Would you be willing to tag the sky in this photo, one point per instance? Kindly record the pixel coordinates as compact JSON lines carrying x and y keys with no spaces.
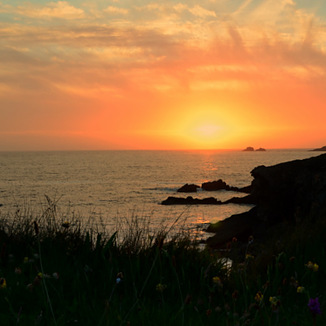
{"x":136,"y":74}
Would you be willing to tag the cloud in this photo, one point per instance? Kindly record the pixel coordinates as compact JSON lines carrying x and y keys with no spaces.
{"x":172,"y":51}
{"x":60,"y":9}
{"x":116,"y":10}
{"x":202,"y":12}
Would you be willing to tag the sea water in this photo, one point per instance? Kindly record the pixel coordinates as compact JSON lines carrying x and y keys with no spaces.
{"x":117,"y":185}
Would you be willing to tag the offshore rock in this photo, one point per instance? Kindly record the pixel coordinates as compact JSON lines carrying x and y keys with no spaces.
{"x":217,"y":185}
{"x":190,"y":201}
{"x":287,"y":193}
{"x":247,"y":200}
{"x":188,"y":188}
{"x":249,"y":149}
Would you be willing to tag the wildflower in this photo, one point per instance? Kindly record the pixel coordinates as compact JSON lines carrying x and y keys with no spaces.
{"x":216,"y":280}
{"x":208,"y":312}
{"x":160,"y":287}
{"x":119,"y":278}
{"x":300,"y":289}
{"x":249,"y":257}
{"x":3,"y":283}
{"x":30,"y":287}
{"x":234,"y":239}
{"x":18,"y":270}
{"x":37,"y":279}
{"x":259,"y":297}
{"x":313,"y":266}
{"x":314,"y":306}
{"x":65,"y":224}
{"x":275,"y":303}
{"x":250,"y":240}
{"x":26,"y":260}
{"x":55,"y":275}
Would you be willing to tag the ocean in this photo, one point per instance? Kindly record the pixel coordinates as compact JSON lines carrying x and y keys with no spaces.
{"x":119,"y":185}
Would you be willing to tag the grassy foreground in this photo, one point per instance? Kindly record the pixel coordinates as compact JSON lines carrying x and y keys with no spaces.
{"x":56,"y":271}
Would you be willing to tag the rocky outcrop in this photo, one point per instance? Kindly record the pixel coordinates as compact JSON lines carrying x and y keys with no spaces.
{"x":213,"y":186}
{"x":190,"y":201}
{"x":252,"y":149}
{"x":290,"y":193}
{"x":188,"y":188}
{"x":247,"y":200}
{"x":249,"y":149}
{"x":217,"y":185}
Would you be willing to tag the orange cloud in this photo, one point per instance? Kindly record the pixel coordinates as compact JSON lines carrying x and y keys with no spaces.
{"x":60,"y":9}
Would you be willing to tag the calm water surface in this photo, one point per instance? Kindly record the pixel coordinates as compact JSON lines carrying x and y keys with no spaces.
{"x":118,"y":184}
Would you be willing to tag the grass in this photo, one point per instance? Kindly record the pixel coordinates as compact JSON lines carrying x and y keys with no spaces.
{"x":58,"y":271}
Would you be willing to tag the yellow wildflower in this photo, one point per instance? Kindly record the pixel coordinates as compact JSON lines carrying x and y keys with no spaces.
{"x":259,"y":297}
{"x":65,"y":224}
{"x":3,"y":283}
{"x":160,"y":287}
{"x":275,"y":303}
{"x":313,"y":266}
{"x":249,"y":257}
{"x":217,"y":280}
{"x":26,"y":260}
{"x":300,"y":289}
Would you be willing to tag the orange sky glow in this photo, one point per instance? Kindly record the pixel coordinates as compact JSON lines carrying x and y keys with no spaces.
{"x":123,"y":74}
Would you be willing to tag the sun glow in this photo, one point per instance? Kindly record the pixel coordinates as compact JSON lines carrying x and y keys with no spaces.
{"x":204,"y":135}
{"x":207,"y":130}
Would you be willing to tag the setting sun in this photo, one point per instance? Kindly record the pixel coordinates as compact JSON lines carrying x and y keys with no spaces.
{"x":207,"y":130}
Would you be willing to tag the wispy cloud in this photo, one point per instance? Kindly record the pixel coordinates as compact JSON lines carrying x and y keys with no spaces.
{"x":116,"y":10}
{"x":60,"y":9}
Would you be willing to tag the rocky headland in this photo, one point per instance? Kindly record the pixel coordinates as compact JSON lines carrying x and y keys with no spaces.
{"x":288,"y":194}
{"x":321,"y":149}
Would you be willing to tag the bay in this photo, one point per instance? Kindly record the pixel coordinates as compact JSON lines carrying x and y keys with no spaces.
{"x":117,"y":185}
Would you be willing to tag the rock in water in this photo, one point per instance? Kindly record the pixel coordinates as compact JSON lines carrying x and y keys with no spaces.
{"x":190,"y":201}
{"x":217,"y":185}
{"x":188,"y":188}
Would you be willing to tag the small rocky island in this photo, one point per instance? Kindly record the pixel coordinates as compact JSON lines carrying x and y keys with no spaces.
{"x":252,"y":149}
